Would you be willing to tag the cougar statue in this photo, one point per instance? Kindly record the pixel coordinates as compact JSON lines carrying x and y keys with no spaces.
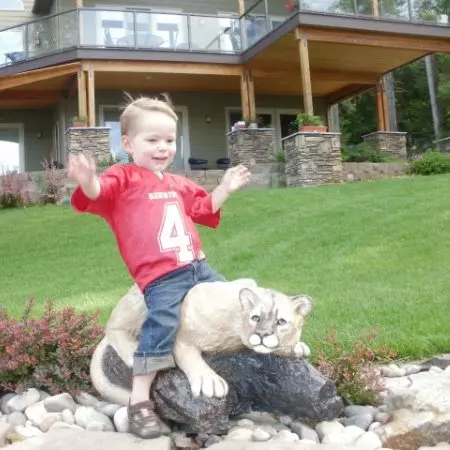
{"x":216,"y":318}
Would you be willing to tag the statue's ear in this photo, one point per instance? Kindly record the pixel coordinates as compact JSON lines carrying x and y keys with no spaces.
{"x":303,"y":304}
{"x":247,"y":298}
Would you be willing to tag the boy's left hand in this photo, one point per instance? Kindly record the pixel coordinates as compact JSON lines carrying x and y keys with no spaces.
{"x":235,"y":178}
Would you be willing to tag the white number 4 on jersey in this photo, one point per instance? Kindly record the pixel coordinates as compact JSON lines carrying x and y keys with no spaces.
{"x":173,"y":235}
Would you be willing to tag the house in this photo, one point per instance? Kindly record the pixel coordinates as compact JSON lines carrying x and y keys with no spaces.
{"x":220,"y":61}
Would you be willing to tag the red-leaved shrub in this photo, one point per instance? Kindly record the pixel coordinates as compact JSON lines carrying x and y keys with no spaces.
{"x":51,"y":182}
{"x":12,"y":193}
{"x":51,"y":353}
{"x":354,"y":370}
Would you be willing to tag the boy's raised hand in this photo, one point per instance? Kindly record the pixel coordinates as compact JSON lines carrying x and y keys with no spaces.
{"x":81,"y":169}
{"x":235,"y":178}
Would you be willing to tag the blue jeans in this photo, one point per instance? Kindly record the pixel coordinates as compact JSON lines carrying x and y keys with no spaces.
{"x":164,"y":298}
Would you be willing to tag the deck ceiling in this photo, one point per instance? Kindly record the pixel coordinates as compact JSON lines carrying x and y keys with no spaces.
{"x":150,"y":81}
{"x":35,"y":95}
{"x":335,"y":66}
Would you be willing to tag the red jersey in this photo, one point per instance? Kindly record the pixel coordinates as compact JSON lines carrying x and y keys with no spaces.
{"x":152,"y":219}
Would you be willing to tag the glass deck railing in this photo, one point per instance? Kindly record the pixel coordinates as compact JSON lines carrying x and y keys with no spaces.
{"x":164,"y":31}
{"x":424,"y":11}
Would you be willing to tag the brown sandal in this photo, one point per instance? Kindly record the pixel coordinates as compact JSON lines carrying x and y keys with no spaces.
{"x":144,"y":422}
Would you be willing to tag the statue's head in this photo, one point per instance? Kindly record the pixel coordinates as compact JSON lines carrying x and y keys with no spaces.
{"x":270,"y":319}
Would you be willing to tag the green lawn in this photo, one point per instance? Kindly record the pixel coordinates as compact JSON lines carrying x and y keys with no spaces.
{"x":369,"y":253}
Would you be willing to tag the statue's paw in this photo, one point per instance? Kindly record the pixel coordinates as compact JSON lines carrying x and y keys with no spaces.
{"x":208,"y":384}
{"x":301,"y":350}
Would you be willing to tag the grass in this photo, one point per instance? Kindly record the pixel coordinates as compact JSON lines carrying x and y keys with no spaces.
{"x":369,"y":253}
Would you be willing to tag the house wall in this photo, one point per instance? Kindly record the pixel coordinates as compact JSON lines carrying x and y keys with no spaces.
{"x":9,"y":18}
{"x":36,"y":123}
{"x":207,"y":140}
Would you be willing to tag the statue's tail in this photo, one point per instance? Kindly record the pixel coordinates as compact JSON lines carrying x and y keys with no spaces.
{"x":108,"y":391}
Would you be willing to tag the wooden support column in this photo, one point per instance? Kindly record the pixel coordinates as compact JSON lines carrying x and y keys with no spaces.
{"x":91,"y":96}
{"x":306,"y":72}
{"x":382,"y":102}
{"x":82,"y":104}
{"x":251,"y":95}
{"x":248,"y":95}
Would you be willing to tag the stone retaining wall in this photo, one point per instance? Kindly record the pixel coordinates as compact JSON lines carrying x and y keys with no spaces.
{"x":366,"y":171}
{"x":271,"y":175}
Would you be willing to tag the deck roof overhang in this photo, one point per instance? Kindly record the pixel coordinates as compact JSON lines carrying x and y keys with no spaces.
{"x":347,"y":56}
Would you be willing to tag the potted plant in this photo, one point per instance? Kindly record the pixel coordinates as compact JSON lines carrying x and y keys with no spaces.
{"x":310,"y":124}
{"x":80,"y":121}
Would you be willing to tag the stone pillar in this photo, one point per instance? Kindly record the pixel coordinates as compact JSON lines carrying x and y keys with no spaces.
{"x":392,"y":143}
{"x":255,"y":148}
{"x":313,"y":159}
{"x":91,"y":141}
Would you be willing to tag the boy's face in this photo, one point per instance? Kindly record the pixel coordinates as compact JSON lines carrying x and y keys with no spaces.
{"x":152,"y":141}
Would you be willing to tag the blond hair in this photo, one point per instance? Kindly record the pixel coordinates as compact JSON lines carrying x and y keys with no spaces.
{"x":136,"y":107}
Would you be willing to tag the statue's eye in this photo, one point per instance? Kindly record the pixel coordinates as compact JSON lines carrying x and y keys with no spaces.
{"x":255,"y":318}
{"x":281,"y":322}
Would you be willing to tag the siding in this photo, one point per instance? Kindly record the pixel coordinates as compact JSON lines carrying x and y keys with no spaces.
{"x":11,"y":18}
{"x":34,"y":121}
{"x":207,"y":140}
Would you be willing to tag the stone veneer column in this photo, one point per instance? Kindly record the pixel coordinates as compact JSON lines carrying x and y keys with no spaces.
{"x":389,"y":142}
{"x":313,"y":159}
{"x":93,"y":141}
{"x":255,"y":148}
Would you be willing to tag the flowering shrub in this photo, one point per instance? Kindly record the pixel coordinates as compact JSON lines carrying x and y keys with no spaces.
{"x":354,"y":371}
{"x":51,"y":183}
{"x":52,"y":353}
{"x":12,"y":193}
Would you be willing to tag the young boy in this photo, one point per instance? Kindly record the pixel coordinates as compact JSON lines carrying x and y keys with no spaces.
{"x":152,"y":215}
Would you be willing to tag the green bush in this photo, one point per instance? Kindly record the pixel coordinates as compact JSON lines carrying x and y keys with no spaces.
{"x":362,"y":153}
{"x":432,"y":162}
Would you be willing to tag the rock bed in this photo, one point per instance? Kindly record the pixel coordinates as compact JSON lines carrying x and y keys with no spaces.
{"x":414,"y":414}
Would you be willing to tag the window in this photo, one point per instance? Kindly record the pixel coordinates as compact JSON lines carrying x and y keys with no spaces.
{"x":11,"y":147}
{"x":264,"y":117}
{"x":11,"y":5}
{"x":11,"y":46}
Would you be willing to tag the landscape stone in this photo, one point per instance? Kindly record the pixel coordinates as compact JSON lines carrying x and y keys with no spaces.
{"x":299,"y":390}
{"x":69,"y":439}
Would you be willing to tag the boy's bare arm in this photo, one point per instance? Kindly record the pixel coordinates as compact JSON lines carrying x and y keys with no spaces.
{"x":82,"y":171}
{"x":234,"y":179}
